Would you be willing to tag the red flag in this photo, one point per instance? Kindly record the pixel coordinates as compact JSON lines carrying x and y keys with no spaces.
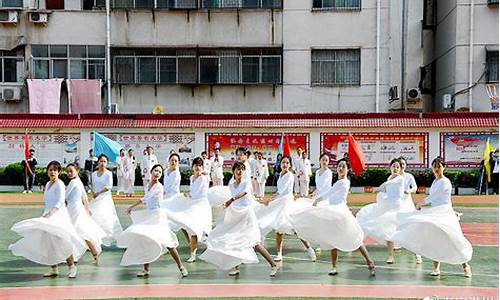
{"x":356,"y":156}
{"x":286,"y":148}
{"x":27,"y":151}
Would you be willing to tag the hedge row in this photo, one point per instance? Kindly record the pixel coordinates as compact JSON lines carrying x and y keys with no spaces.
{"x":13,"y":175}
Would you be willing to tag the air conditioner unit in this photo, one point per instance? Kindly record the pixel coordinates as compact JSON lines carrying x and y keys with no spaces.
{"x":413,"y":95}
{"x":8,"y":16}
{"x":38,"y":17}
{"x":10,"y":94}
{"x":114,"y":108}
{"x":447,"y":101}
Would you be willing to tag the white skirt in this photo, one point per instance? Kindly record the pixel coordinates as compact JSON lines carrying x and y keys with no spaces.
{"x":147,"y":238}
{"x":104,"y":214}
{"x":219,"y":194}
{"x":193,"y":215}
{"x":379,"y":220}
{"x":85,"y":227}
{"x":331,"y":227}
{"x":232,"y":241}
{"x":48,"y":241}
{"x":434,"y":233}
{"x":276,"y":215}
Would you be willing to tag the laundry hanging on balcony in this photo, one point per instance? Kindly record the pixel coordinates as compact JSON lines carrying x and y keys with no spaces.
{"x":44,"y":96}
{"x":84,"y":96}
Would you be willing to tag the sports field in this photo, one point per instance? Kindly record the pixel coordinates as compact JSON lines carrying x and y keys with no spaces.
{"x":298,"y":277}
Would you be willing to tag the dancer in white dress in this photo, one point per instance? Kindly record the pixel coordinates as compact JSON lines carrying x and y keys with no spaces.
{"x":172,"y":177}
{"x":50,"y":239}
{"x":275,"y":215}
{"x":217,"y":195}
{"x":193,"y":212}
{"x":120,"y":172}
{"x":332,"y":225}
{"x":149,"y":236}
{"x":410,"y":186}
{"x":80,"y":215}
{"x":379,"y":220}
{"x":435,"y":232}
{"x":237,"y":237}
{"x":102,"y":207}
{"x":323,"y":179}
{"x":130,"y":166}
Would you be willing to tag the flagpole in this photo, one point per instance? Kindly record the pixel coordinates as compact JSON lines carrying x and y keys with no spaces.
{"x":481,"y":180}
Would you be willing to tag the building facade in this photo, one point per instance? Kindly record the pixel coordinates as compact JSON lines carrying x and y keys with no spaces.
{"x":231,"y":56}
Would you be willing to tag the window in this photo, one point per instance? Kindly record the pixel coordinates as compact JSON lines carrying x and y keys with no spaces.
{"x":177,"y":4}
{"x":93,"y":4}
{"x":203,"y":66}
{"x":492,"y":65}
{"x":11,"y":67}
{"x":242,"y":4}
{"x":67,"y":61}
{"x":54,"y":4}
{"x":337,"y":4}
{"x":11,"y":3}
{"x":335,"y":67}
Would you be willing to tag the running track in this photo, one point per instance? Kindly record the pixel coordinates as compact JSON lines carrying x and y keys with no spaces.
{"x":245,"y":290}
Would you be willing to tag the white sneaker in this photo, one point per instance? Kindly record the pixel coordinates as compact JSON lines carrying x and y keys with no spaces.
{"x":418,"y":259}
{"x":72,"y":272}
{"x":389,"y":260}
{"x":311,"y":253}
{"x":274,"y":270}
{"x":234,"y":271}
{"x":278,"y":257}
{"x":24,"y":192}
{"x":54,"y":271}
{"x":184,"y":272}
{"x":435,"y":273}
{"x":333,"y":272}
{"x":143,"y":273}
{"x":192,"y":258}
{"x":30,"y":192}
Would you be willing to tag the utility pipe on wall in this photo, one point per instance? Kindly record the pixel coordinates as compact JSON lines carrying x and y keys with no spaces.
{"x":377,"y":68}
{"x":108,"y":56}
{"x":471,"y":50}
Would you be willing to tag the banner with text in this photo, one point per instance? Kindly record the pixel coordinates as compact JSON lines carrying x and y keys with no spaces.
{"x":466,"y":149}
{"x":267,"y":143}
{"x":380,"y":148}
{"x":61,"y":147}
{"x":163,"y":144}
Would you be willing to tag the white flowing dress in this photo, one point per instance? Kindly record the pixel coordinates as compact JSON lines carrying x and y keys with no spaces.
{"x":217,"y":195}
{"x":233,"y":240}
{"x":331,"y":226}
{"x":435,"y":232}
{"x":103,"y":208}
{"x":410,"y":186}
{"x":172,"y":186}
{"x":84,"y":225}
{"x":276,"y":215}
{"x":49,"y":241}
{"x":149,"y":236}
{"x":379,"y":220}
{"x":194,"y":214}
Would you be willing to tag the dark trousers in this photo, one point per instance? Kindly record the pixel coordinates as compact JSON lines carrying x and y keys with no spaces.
{"x":29,"y":180}
{"x":494,"y":182}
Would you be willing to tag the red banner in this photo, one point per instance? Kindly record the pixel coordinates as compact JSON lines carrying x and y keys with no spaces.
{"x":380,"y":148}
{"x":267,"y":143}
